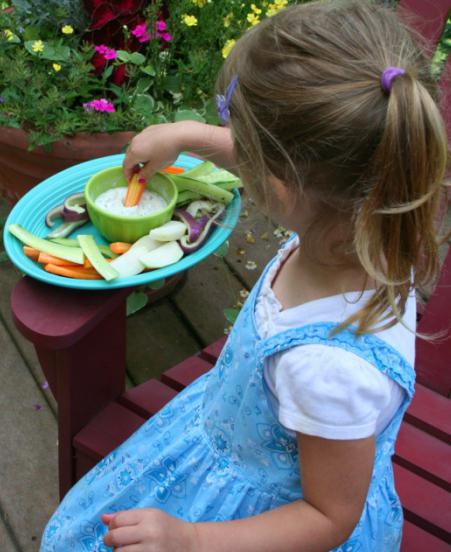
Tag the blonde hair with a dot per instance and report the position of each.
(309, 109)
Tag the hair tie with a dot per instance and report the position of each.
(389, 74)
(223, 102)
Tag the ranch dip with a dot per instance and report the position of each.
(113, 201)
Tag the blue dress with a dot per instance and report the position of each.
(217, 452)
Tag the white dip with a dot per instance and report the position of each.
(113, 201)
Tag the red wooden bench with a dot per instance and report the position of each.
(80, 341)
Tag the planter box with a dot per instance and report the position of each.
(21, 169)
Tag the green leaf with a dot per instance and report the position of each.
(222, 249)
(108, 71)
(123, 55)
(50, 52)
(136, 301)
(158, 284)
(136, 58)
(143, 85)
(144, 104)
(149, 70)
(188, 115)
(231, 315)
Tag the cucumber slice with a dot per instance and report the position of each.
(105, 250)
(73, 254)
(211, 191)
(92, 252)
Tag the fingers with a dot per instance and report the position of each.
(123, 519)
(122, 536)
(131, 548)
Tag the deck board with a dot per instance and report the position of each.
(28, 437)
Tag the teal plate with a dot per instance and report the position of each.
(30, 213)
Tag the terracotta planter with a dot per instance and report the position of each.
(21, 169)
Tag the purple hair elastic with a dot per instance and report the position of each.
(389, 74)
(223, 102)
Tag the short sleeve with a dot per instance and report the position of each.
(328, 392)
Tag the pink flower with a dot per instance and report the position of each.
(100, 105)
(165, 36)
(141, 33)
(161, 25)
(107, 53)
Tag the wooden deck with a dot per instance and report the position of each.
(159, 336)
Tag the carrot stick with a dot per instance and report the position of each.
(135, 190)
(31, 252)
(45, 258)
(120, 247)
(72, 272)
(173, 170)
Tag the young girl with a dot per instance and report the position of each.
(286, 444)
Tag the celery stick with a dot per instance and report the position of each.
(74, 243)
(207, 190)
(203, 169)
(92, 252)
(186, 196)
(229, 185)
(73, 254)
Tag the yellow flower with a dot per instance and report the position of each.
(9, 35)
(252, 18)
(38, 46)
(227, 47)
(67, 29)
(200, 3)
(227, 19)
(56, 67)
(189, 20)
(275, 7)
(255, 9)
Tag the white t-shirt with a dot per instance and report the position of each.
(322, 390)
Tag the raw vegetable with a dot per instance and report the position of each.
(190, 247)
(208, 190)
(54, 213)
(66, 228)
(31, 252)
(120, 247)
(186, 197)
(72, 210)
(106, 251)
(135, 190)
(171, 231)
(195, 226)
(173, 170)
(74, 254)
(92, 252)
(73, 272)
(165, 255)
(202, 207)
(45, 258)
(207, 172)
(76, 203)
(129, 264)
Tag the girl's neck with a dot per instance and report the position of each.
(303, 278)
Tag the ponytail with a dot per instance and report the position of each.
(395, 225)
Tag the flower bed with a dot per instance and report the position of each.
(71, 66)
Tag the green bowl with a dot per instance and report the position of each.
(127, 228)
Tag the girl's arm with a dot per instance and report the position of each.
(335, 480)
(158, 146)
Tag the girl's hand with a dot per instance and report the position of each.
(149, 530)
(156, 147)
